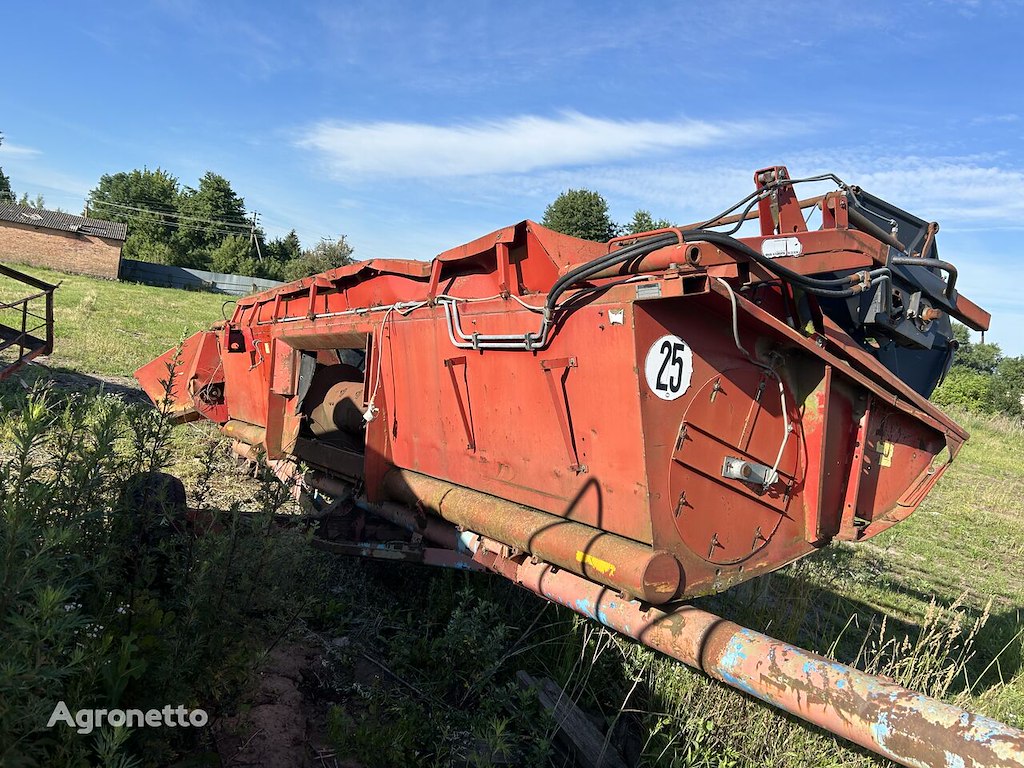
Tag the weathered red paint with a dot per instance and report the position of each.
(573, 430)
(559, 455)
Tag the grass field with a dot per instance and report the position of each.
(936, 602)
(112, 328)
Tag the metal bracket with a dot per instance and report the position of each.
(464, 408)
(561, 402)
(748, 471)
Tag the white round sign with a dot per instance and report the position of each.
(669, 367)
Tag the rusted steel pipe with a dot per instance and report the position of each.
(907, 727)
(437, 531)
(245, 432)
(434, 530)
(637, 569)
(863, 223)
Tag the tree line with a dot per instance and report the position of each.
(982, 379)
(203, 227)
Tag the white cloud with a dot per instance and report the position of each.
(955, 191)
(1008, 117)
(515, 145)
(16, 150)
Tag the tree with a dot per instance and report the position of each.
(980, 357)
(981, 379)
(35, 202)
(233, 256)
(965, 388)
(6, 193)
(147, 202)
(325, 255)
(279, 253)
(580, 213)
(209, 214)
(1008, 387)
(643, 222)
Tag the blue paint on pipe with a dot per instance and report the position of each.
(584, 606)
(880, 729)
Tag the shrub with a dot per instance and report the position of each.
(106, 600)
(967, 389)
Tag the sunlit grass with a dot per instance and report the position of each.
(112, 328)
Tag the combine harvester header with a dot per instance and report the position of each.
(623, 425)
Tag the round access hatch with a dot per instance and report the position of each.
(726, 502)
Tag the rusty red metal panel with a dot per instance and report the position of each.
(658, 418)
(649, 397)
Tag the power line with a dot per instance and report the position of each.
(179, 216)
(138, 219)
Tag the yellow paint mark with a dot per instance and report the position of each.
(885, 449)
(599, 565)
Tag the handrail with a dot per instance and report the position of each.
(28, 344)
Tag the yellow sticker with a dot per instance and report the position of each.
(599, 565)
(885, 449)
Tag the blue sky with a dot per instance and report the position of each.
(413, 127)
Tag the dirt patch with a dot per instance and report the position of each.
(124, 387)
(279, 727)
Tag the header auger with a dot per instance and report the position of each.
(621, 426)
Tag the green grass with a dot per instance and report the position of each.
(112, 328)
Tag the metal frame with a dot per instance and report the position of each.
(23, 334)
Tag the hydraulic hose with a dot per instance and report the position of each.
(823, 287)
(916, 261)
(596, 265)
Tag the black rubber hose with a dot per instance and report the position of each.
(818, 287)
(596, 265)
(810, 284)
(863, 223)
(915, 261)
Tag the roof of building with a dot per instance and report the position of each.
(64, 222)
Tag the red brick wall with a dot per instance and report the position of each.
(63, 251)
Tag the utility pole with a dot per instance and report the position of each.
(253, 240)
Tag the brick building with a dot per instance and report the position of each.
(61, 241)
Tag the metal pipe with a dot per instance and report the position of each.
(863, 223)
(245, 432)
(438, 531)
(753, 214)
(905, 726)
(916, 261)
(637, 569)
